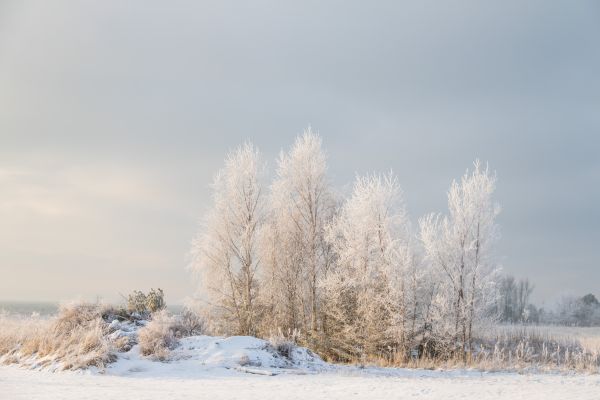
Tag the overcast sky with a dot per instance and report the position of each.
(114, 116)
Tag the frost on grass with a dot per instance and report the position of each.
(84, 335)
(76, 338)
(80, 337)
(531, 347)
(157, 337)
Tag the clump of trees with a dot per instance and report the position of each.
(513, 306)
(575, 311)
(513, 302)
(348, 276)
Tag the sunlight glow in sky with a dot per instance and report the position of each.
(114, 116)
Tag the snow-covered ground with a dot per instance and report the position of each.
(205, 367)
(198, 356)
(222, 383)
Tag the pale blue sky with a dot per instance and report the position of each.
(115, 115)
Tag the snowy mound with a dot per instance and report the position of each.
(242, 351)
(199, 355)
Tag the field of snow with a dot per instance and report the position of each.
(222, 383)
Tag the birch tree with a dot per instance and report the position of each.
(365, 290)
(282, 275)
(302, 203)
(459, 246)
(225, 250)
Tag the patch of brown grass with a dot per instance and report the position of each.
(157, 338)
(76, 338)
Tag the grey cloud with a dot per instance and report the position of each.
(422, 88)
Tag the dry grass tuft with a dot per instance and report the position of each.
(525, 347)
(75, 339)
(157, 338)
(15, 332)
(510, 348)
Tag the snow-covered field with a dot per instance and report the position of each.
(588, 337)
(205, 367)
(221, 383)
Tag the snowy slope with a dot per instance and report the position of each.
(197, 355)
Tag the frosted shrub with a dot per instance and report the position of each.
(158, 336)
(190, 323)
(136, 302)
(282, 344)
(155, 300)
(144, 304)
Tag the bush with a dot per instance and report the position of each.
(144, 304)
(190, 324)
(155, 300)
(158, 336)
(282, 344)
(136, 302)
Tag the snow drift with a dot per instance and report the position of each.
(200, 354)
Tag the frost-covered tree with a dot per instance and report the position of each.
(225, 251)
(352, 281)
(301, 205)
(513, 299)
(282, 276)
(459, 247)
(365, 291)
(574, 311)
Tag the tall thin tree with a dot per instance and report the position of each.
(459, 247)
(225, 251)
(302, 204)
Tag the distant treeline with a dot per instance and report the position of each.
(514, 306)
